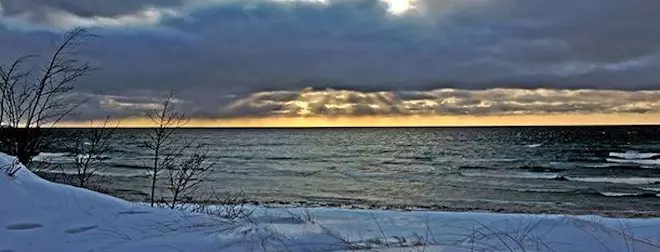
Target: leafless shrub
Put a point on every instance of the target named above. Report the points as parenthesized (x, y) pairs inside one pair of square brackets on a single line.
[(45, 165), (230, 206), (12, 168), (185, 167), (302, 215), (89, 150), (35, 98), (161, 140), (185, 175)]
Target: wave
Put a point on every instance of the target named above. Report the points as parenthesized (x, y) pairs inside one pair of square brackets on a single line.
[(53, 154), (614, 180), (108, 174), (65, 157), (95, 157), (130, 166), (535, 190), (650, 189), (635, 161), (284, 158), (524, 168), (485, 160), (519, 175), (53, 157), (633, 155), (539, 190), (622, 194), (533, 145), (609, 165), (542, 169)]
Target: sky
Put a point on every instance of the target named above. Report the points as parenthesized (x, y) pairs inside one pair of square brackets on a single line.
[(356, 62)]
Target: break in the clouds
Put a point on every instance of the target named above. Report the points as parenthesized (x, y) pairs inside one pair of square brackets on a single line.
[(219, 54), (444, 102), (440, 102)]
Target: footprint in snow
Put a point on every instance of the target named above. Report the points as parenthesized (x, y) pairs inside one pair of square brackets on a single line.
[(79, 230), (23, 226)]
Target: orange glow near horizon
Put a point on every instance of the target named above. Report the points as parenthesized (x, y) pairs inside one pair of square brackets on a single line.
[(398, 121)]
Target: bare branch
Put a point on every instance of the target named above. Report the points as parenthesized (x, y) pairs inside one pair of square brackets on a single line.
[(90, 149), (160, 140), (30, 99)]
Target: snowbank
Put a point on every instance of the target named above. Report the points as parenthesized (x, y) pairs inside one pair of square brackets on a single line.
[(37, 215)]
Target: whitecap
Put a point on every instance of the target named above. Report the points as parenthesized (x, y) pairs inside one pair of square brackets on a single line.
[(634, 161), (633, 155), (614, 180), (619, 194), (604, 165), (521, 175), (533, 145), (622, 194), (53, 157), (94, 157), (539, 190), (650, 189), (53, 154)]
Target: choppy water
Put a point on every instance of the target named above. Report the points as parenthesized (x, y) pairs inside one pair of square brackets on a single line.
[(554, 169)]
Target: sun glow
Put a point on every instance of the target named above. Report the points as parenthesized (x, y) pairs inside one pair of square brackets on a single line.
[(399, 121), (395, 7), (398, 7)]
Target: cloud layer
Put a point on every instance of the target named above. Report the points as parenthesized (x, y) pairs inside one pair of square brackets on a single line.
[(444, 102), (217, 50), (331, 103)]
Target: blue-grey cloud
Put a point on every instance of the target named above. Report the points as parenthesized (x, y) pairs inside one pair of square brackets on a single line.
[(82, 8), (209, 50)]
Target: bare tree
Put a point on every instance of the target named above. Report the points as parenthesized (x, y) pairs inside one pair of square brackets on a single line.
[(161, 140), (89, 149), (185, 176), (33, 99), (182, 167)]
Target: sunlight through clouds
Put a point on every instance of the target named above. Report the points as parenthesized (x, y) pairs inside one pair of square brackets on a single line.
[(362, 57), (444, 102), (152, 15), (398, 7)]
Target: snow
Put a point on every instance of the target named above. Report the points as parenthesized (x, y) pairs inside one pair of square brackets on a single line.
[(37, 215)]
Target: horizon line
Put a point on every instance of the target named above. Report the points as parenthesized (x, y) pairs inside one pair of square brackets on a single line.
[(377, 127)]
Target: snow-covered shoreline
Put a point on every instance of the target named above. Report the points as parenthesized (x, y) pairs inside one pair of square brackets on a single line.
[(38, 215)]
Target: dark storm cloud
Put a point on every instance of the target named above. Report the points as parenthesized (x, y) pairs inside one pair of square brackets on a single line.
[(212, 51), (82, 8)]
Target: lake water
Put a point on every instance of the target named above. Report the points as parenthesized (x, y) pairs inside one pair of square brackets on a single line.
[(516, 169)]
